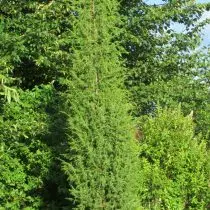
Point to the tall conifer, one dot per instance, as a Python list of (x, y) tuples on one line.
[(102, 157)]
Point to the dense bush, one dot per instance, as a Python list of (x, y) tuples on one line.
[(27, 154), (175, 163), (190, 93)]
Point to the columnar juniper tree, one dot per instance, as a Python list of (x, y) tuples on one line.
[(102, 157)]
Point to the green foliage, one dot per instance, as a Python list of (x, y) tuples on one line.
[(26, 116), (162, 63), (192, 94), (25, 155), (35, 43), (175, 163), (79, 48), (101, 162), (156, 51), (13, 184)]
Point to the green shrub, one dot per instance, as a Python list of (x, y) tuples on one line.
[(26, 156), (175, 163)]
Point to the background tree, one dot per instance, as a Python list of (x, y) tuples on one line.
[(34, 41), (162, 63), (35, 50)]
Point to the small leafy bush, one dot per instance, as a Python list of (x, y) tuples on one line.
[(25, 157), (174, 162)]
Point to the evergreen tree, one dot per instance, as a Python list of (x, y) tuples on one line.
[(101, 162)]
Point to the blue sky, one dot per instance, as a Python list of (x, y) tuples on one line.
[(206, 31)]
